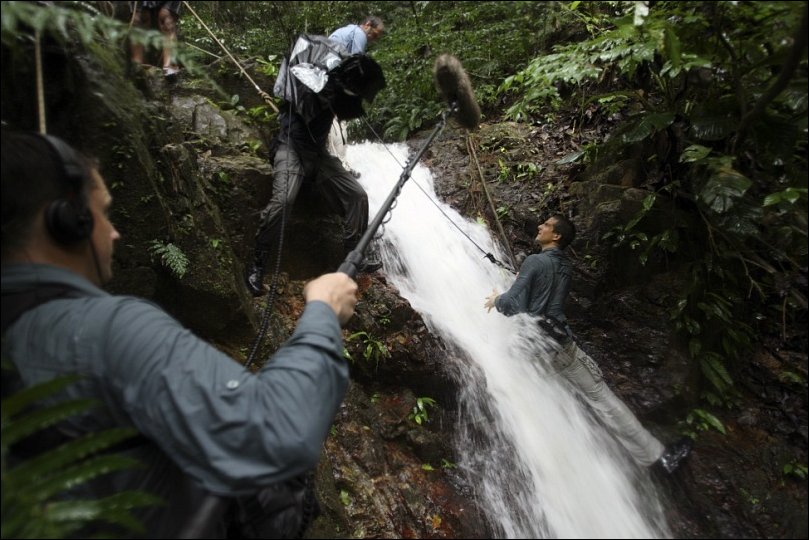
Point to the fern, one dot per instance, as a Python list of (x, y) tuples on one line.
[(170, 256), (33, 491)]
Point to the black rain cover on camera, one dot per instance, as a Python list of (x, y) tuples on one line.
[(320, 75)]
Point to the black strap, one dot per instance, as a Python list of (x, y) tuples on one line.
[(14, 305), (555, 328), (18, 302)]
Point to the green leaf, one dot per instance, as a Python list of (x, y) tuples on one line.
[(723, 188), (61, 456), (650, 123), (711, 420), (32, 491), (571, 158), (694, 153), (714, 127), (671, 47), (112, 509), (70, 477), (715, 372), (43, 418), (791, 195), (26, 397)]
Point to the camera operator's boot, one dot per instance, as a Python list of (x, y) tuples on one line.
[(255, 273)]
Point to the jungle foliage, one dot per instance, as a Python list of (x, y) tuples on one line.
[(709, 96), (712, 99), (33, 493), (490, 37)]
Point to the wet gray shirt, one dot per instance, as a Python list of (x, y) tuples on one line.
[(541, 286), (230, 430)]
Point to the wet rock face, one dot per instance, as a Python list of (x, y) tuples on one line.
[(393, 477)]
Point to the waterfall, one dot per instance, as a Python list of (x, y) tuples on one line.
[(540, 464)]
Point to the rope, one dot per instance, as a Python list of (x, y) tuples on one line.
[(40, 83), (264, 95), (134, 6), (489, 198), (487, 255), (265, 317), (202, 50)]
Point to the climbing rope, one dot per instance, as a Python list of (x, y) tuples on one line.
[(209, 53), (264, 95), (267, 312), (474, 156), (486, 255), (40, 82)]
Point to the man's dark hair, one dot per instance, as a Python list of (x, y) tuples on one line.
[(32, 175), (565, 229), (373, 21)]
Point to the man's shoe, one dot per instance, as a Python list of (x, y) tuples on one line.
[(675, 455), (254, 279)]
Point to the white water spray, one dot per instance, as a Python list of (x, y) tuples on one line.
[(541, 466)]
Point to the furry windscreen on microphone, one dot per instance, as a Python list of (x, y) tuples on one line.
[(453, 83)]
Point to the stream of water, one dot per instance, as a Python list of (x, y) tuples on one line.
[(539, 463)]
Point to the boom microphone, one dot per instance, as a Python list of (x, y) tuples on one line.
[(453, 83)]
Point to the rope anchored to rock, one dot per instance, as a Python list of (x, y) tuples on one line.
[(264, 95)]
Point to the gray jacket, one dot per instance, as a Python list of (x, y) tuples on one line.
[(232, 432)]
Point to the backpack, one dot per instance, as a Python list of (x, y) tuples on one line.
[(319, 75)]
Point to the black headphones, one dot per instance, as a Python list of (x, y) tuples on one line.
[(69, 220)]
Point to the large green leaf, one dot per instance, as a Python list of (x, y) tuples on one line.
[(723, 188), (27, 396), (714, 128), (693, 153), (715, 372), (61, 456), (671, 47), (31, 491), (647, 125), (42, 489), (41, 418)]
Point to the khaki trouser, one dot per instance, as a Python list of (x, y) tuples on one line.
[(580, 370)]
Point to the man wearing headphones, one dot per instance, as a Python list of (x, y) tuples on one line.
[(210, 429)]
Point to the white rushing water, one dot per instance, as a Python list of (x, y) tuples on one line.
[(540, 465)]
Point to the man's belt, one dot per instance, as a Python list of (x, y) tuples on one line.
[(555, 329)]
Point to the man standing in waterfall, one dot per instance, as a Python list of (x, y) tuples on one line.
[(540, 290)]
